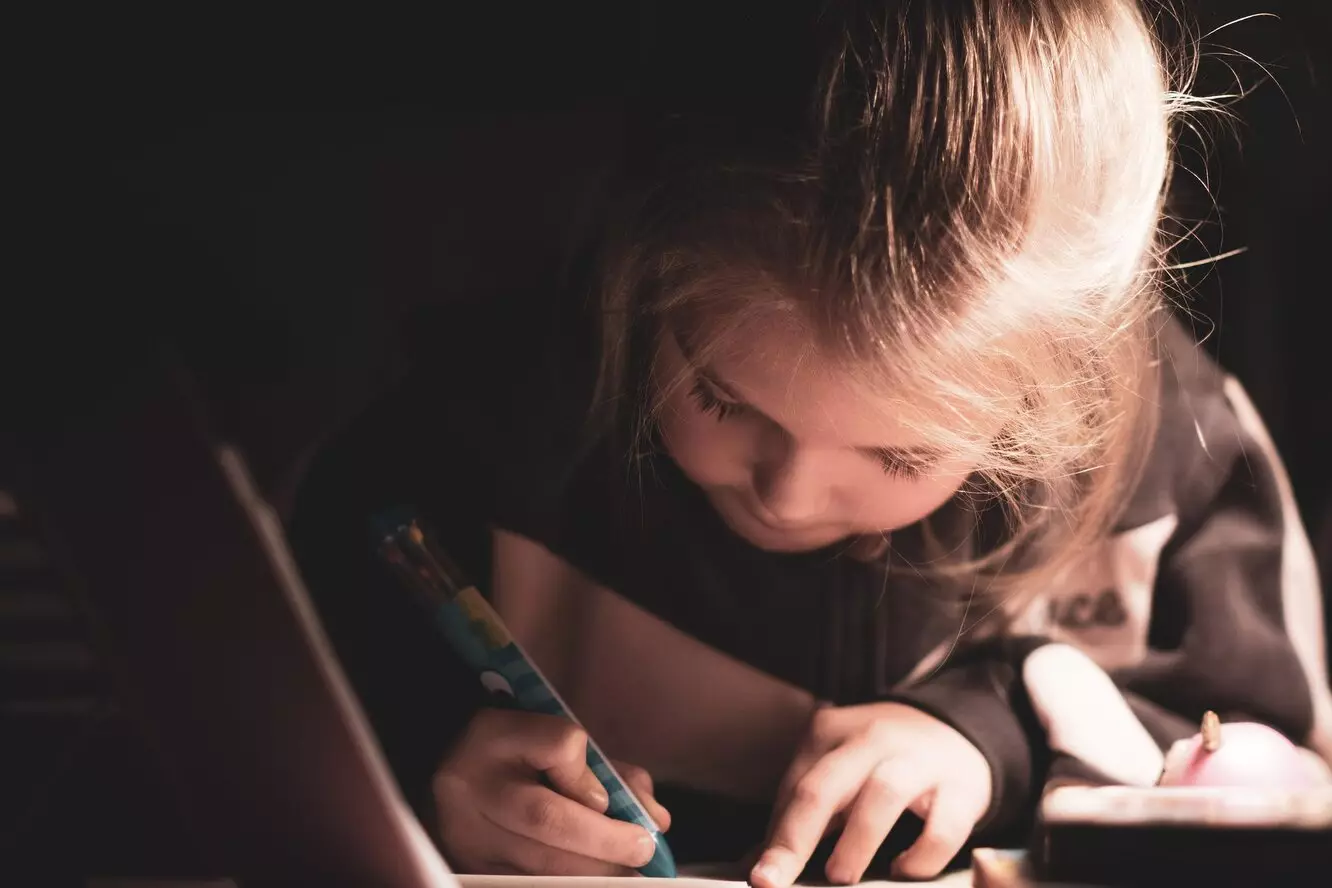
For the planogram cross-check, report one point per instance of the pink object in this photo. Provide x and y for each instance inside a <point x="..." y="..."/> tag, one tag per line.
<point x="1237" y="754"/>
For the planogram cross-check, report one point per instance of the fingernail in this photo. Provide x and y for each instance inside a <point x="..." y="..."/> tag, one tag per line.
<point x="647" y="847"/>
<point x="840" y="875"/>
<point x="599" y="798"/>
<point x="766" y="872"/>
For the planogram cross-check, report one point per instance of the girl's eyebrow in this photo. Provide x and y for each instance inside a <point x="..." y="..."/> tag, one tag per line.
<point x="915" y="455"/>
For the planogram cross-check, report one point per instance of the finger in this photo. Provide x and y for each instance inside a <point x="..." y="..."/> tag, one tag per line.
<point x="948" y="824"/>
<point x="572" y="776"/>
<point x="815" y="798"/>
<point x="817" y="742"/>
<point x="640" y="784"/>
<point x="524" y="856"/>
<point x="798" y="768"/>
<point x="891" y="787"/>
<point x="550" y="744"/>
<point x="538" y="813"/>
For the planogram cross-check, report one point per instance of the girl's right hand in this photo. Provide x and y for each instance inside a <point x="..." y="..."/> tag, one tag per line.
<point x="498" y="815"/>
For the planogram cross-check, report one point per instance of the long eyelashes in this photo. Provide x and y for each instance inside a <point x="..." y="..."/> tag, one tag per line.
<point x="896" y="467"/>
<point x="707" y="400"/>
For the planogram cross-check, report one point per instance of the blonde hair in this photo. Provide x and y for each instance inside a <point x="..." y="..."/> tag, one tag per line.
<point x="970" y="222"/>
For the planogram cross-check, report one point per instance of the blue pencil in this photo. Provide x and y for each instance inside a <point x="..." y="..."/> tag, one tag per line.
<point x="479" y="636"/>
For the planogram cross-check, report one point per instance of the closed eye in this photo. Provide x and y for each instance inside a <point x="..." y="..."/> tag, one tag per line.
<point x="710" y="402"/>
<point x="902" y="464"/>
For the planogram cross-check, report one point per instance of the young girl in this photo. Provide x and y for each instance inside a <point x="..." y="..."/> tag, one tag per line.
<point x="861" y="477"/>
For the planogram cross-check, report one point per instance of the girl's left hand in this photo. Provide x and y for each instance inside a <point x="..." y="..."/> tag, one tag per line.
<point x="866" y="765"/>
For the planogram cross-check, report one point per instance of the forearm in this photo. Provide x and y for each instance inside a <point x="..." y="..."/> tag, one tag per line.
<point x="688" y="713"/>
<point x="646" y="691"/>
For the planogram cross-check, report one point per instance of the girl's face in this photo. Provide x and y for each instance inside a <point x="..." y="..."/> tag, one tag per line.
<point x="791" y="453"/>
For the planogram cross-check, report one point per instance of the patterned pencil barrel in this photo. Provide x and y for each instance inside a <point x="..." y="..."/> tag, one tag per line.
<point x="479" y="636"/>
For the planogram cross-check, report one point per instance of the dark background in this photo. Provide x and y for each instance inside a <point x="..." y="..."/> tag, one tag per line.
<point x="300" y="199"/>
<point x="293" y="201"/>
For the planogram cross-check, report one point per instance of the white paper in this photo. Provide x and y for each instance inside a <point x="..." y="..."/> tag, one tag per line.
<point x="953" y="880"/>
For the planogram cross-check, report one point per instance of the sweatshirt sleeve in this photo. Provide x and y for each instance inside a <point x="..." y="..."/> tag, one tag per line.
<point x="980" y="693"/>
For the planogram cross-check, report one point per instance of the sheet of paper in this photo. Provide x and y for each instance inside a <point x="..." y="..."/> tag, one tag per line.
<point x="954" y="880"/>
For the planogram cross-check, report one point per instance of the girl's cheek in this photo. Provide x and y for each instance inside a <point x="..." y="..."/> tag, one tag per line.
<point x="708" y="452"/>
<point x="896" y="503"/>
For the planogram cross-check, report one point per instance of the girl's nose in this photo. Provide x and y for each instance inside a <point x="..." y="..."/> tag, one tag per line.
<point x="793" y="486"/>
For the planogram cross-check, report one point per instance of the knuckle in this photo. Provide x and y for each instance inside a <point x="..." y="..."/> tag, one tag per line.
<point x="822" y="725"/>
<point x="882" y="782"/>
<point x="889" y="778"/>
<point x="571" y="741"/>
<point x="807" y="794"/>
<point x="447" y="787"/>
<point x="632" y="773"/>
<point x="542" y="814"/>
<point x="880" y="730"/>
